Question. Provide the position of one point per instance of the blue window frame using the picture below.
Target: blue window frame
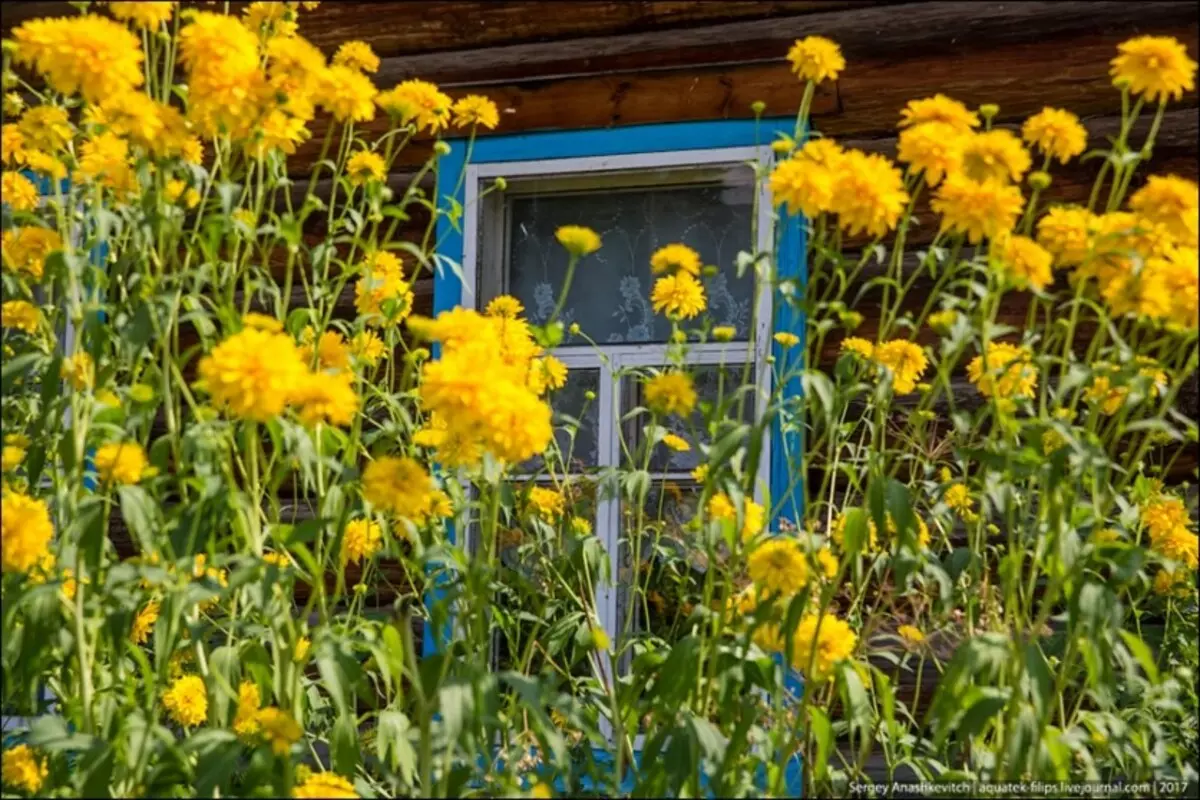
(653, 146)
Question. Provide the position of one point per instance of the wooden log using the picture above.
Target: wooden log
(863, 31)
(865, 101)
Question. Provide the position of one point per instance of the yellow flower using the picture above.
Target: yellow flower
(942, 321)
(819, 644)
(177, 188)
(279, 728)
(253, 374)
(382, 294)
(14, 104)
(12, 145)
(18, 192)
(245, 720)
(906, 360)
(104, 159)
(958, 499)
(1065, 232)
(222, 62)
(546, 503)
(777, 565)
(600, 638)
(541, 789)
(22, 769)
(26, 249)
(78, 370)
(368, 347)
(939, 108)
(25, 532)
(143, 14)
(262, 322)
(670, 393)
(720, 507)
(348, 95)
(868, 193)
(934, 148)
(480, 387)
(700, 473)
(324, 398)
(1006, 371)
(1157, 66)
(1055, 132)
(1052, 442)
(581, 526)
(911, 635)
(858, 346)
(786, 340)
(1163, 514)
(46, 128)
(504, 305)
(679, 296)
(20, 314)
(325, 785)
(418, 102)
(1024, 262)
(143, 623)
(1179, 273)
(357, 55)
(187, 701)
(724, 333)
(805, 181)
(399, 485)
(330, 351)
(1171, 201)
(301, 651)
(995, 155)
(121, 463)
(828, 563)
(247, 218)
(578, 240)
(475, 109)
(675, 258)
(366, 165)
(1175, 583)
(677, 443)
(361, 539)
(1178, 544)
(547, 373)
(815, 58)
(12, 457)
(88, 54)
(46, 164)
(977, 209)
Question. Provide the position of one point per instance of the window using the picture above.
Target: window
(640, 187)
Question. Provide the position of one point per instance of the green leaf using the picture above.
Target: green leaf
(1141, 651)
(1037, 671)
(392, 745)
(855, 532)
(991, 702)
(343, 745)
(854, 696)
(823, 734)
(140, 513)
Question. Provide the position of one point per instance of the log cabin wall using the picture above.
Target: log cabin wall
(577, 64)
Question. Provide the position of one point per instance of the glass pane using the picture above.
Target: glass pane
(671, 567)
(571, 405)
(713, 383)
(610, 294)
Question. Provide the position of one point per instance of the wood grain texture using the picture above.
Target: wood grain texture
(862, 30)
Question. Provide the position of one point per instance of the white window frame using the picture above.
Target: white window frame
(610, 359)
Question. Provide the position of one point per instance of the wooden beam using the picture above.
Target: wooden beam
(423, 27)
(863, 31)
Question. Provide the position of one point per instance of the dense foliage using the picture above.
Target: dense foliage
(988, 510)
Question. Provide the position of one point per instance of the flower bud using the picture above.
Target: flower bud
(852, 319)
(1122, 84)
(13, 104)
(574, 330)
(758, 107)
(501, 184)
(589, 395)
(440, 148)
(989, 110)
(709, 271)
(1039, 180)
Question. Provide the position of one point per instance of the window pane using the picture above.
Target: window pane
(671, 571)
(571, 402)
(713, 383)
(610, 294)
